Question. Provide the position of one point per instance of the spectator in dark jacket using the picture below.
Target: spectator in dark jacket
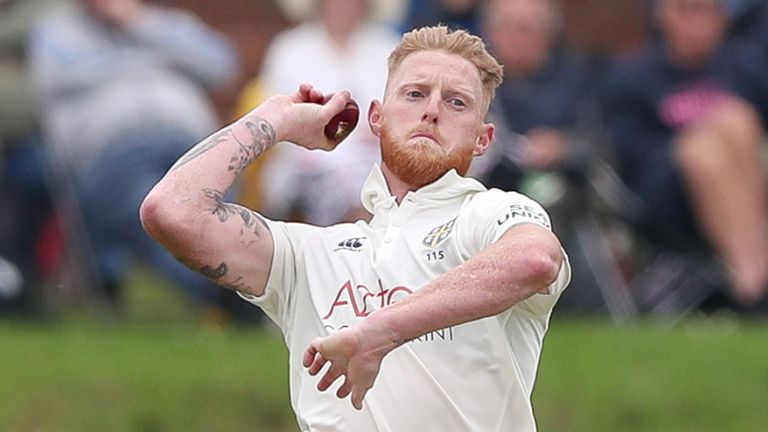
(689, 147)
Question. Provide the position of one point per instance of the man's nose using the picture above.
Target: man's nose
(431, 109)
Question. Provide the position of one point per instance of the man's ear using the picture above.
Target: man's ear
(485, 139)
(374, 117)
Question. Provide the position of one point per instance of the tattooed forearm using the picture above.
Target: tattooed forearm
(262, 132)
(244, 156)
(214, 273)
(225, 210)
(262, 138)
(207, 271)
(209, 143)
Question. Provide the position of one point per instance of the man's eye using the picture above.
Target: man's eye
(414, 94)
(457, 102)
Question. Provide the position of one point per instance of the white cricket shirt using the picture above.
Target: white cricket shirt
(476, 376)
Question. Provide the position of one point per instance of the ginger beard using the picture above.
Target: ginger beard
(422, 161)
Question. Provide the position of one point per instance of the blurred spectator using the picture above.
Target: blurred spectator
(17, 113)
(747, 16)
(456, 14)
(123, 85)
(24, 201)
(544, 114)
(249, 187)
(749, 48)
(339, 49)
(541, 107)
(689, 148)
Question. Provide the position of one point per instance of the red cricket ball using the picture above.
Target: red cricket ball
(342, 124)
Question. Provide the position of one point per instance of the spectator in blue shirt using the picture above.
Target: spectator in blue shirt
(124, 87)
(456, 14)
(541, 108)
(689, 147)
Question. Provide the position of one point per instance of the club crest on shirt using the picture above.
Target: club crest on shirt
(354, 244)
(438, 234)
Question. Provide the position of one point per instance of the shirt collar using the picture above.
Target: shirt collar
(376, 194)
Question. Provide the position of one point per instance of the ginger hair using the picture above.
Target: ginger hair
(459, 42)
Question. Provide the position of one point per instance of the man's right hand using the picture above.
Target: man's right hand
(301, 117)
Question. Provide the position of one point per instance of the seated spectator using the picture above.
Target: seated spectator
(340, 48)
(543, 112)
(456, 14)
(748, 44)
(747, 17)
(25, 206)
(122, 85)
(541, 107)
(689, 148)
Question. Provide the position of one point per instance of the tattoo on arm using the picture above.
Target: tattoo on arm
(207, 271)
(215, 273)
(225, 210)
(262, 138)
(209, 143)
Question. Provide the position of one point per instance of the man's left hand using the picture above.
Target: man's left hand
(351, 356)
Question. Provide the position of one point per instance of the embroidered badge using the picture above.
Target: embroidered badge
(438, 234)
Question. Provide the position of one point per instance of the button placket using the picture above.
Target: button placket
(397, 220)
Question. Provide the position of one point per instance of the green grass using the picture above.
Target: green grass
(86, 377)
(697, 376)
(156, 369)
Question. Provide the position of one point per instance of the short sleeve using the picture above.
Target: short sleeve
(542, 304)
(491, 214)
(488, 215)
(275, 301)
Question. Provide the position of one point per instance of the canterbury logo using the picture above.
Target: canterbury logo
(353, 244)
(438, 234)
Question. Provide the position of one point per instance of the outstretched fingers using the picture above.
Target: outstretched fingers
(313, 359)
(346, 359)
(329, 377)
(358, 394)
(345, 389)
